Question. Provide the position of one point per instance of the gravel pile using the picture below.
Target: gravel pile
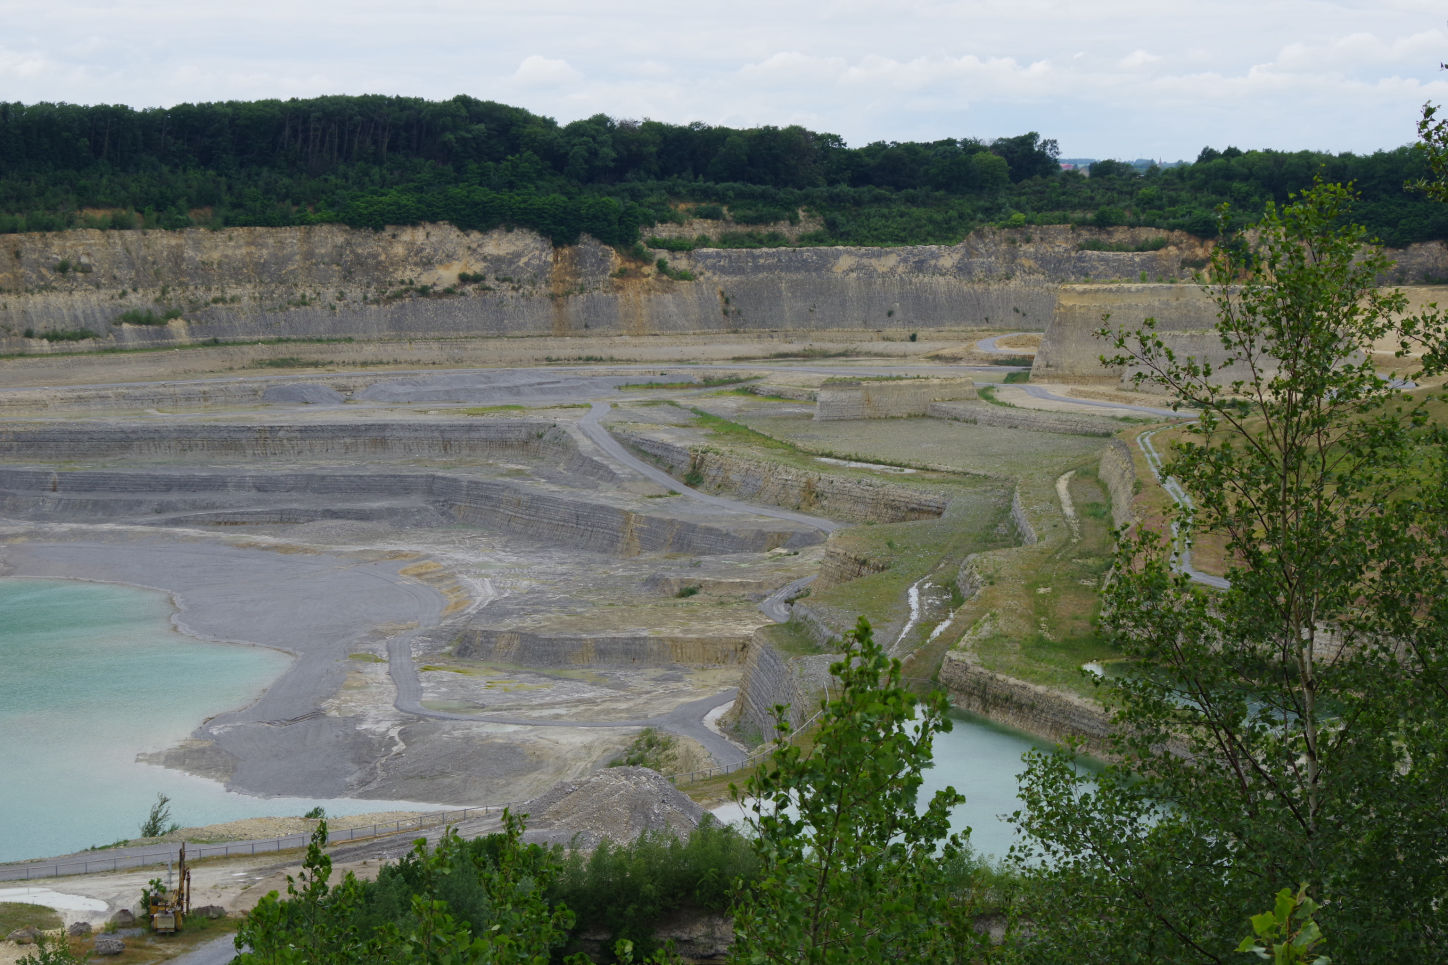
(617, 803)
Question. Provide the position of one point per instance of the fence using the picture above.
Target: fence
(126, 859)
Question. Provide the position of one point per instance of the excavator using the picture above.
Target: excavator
(168, 907)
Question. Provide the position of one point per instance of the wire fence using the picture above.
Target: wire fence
(127, 859)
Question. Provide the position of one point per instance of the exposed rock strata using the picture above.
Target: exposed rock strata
(1186, 319)
(480, 442)
(1117, 472)
(887, 399)
(1040, 711)
(331, 281)
(600, 522)
(829, 494)
(772, 680)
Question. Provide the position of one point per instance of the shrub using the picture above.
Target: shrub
(625, 890)
(64, 335)
(670, 244)
(652, 748)
(147, 316)
(158, 820)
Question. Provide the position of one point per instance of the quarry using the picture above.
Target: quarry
(507, 504)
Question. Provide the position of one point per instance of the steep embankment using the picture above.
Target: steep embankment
(564, 504)
(162, 287)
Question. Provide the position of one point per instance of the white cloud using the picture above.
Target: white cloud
(1115, 78)
(539, 71)
(1138, 58)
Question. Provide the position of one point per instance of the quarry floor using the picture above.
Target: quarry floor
(376, 703)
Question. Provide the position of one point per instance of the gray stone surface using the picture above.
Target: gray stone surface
(24, 936)
(107, 945)
(616, 803)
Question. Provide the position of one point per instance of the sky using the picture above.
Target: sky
(1119, 79)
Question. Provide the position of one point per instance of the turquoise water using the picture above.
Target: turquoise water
(94, 674)
(981, 760)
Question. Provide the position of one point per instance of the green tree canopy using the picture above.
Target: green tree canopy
(1290, 728)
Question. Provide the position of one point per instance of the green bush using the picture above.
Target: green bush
(652, 748)
(625, 890)
(670, 244)
(66, 335)
(147, 316)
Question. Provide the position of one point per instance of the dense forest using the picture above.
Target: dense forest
(370, 161)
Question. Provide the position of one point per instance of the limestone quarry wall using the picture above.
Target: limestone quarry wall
(1022, 520)
(887, 399)
(1071, 352)
(1186, 318)
(849, 499)
(329, 281)
(1117, 472)
(332, 281)
(1039, 711)
(770, 679)
(478, 441)
(529, 511)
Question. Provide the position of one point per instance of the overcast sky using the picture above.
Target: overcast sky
(1105, 78)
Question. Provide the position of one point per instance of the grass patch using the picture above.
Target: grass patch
(1047, 598)
(709, 382)
(858, 379)
(1013, 378)
(147, 316)
(287, 362)
(987, 393)
(489, 409)
(974, 522)
(19, 914)
(803, 353)
(366, 658)
(62, 335)
(791, 639)
(653, 749)
(737, 432)
(206, 343)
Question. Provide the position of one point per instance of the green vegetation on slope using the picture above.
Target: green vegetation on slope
(372, 161)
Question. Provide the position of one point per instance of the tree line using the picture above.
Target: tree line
(367, 161)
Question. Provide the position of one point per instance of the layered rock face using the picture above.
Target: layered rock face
(573, 499)
(852, 500)
(331, 281)
(1041, 711)
(528, 510)
(1186, 319)
(888, 400)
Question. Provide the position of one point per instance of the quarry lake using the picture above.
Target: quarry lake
(96, 674)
